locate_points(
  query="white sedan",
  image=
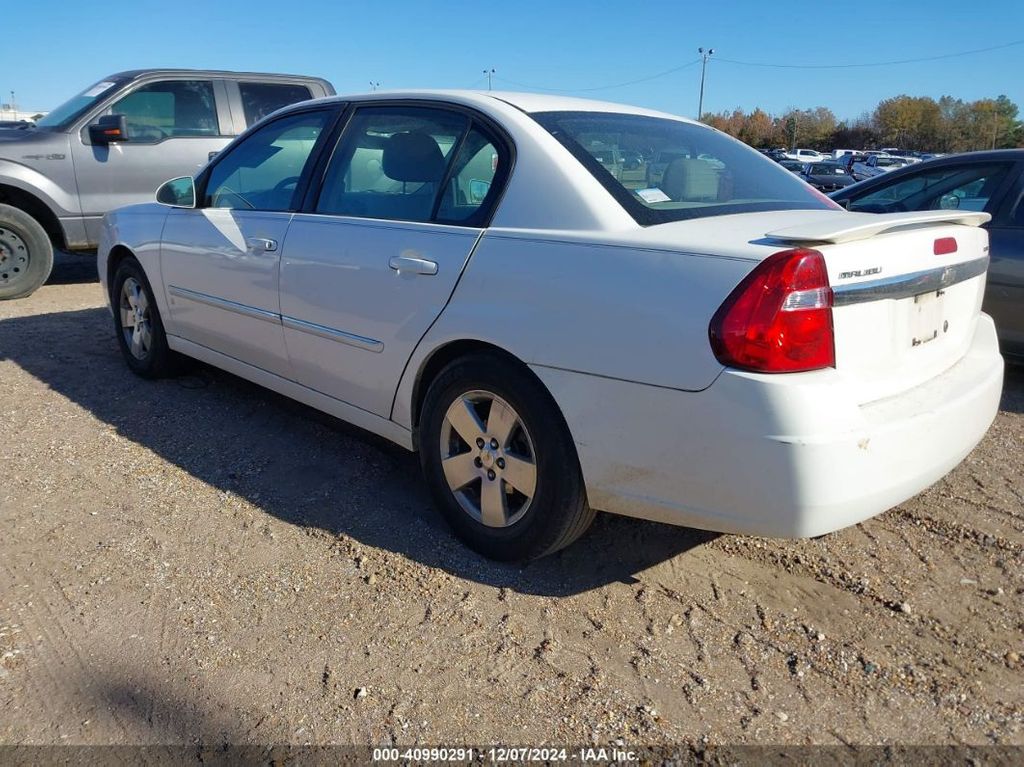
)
(470, 276)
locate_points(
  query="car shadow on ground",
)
(73, 268)
(302, 466)
(1013, 388)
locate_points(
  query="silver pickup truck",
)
(113, 144)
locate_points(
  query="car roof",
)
(984, 154)
(531, 103)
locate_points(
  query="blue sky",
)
(52, 50)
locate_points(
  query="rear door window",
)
(262, 99)
(169, 109)
(473, 182)
(392, 163)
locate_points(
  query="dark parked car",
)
(793, 166)
(826, 176)
(992, 182)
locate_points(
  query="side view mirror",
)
(109, 129)
(178, 192)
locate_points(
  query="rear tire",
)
(26, 254)
(137, 324)
(499, 459)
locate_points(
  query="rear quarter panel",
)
(620, 312)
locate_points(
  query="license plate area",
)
(927, 317)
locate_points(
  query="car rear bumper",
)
(784, 455)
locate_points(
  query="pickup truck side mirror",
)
(178, 192)
(109, 129)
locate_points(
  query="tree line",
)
(907, 122)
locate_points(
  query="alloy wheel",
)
(488, 458)
(136, 322)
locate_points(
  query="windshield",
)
(683, 170)
(827, 170)
(73, 108)
(884, 162)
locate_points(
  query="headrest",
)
(412, 157)
(690, 179)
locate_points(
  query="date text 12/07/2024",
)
(502, 754)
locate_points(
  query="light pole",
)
(490, 74)
(704, 56)
(374, 85)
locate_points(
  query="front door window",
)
(263, 171)
(169, 109)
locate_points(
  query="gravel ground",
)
(199, 560)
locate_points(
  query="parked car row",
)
(562, 306)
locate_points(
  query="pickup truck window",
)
(169, 109)
(261, 99)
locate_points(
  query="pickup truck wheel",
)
(26, 254)
(499, 460)
(137, 323)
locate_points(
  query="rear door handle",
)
(262, 243)
(412, 265)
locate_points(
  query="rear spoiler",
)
(861, 226)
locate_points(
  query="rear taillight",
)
(779, 318)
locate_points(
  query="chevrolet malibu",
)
(467, 275)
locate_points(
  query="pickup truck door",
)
(220, 261)
(174, 125)
(373, 259)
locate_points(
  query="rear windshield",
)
(663, 170)
(73, 108)
(827, 170)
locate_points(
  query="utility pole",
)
(704, 56)
(490, 74)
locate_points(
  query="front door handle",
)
(262, 243)
(412, 265)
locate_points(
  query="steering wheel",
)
(146, 133)
(283, 183)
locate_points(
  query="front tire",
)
(499, 460)
(137, 323)
(26, 254)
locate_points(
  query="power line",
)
(767, 64)
(600, 87)
(872, 64)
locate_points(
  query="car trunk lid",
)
(907, 292)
